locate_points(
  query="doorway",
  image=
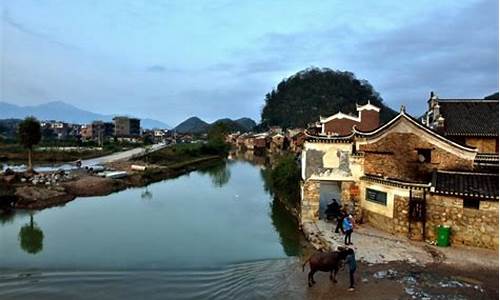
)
(328, 190)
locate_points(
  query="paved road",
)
(124, 155)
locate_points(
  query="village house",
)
(341, 124)
(60, 130)
(97, 131)
(403, 178)
(471, 122)
(126, 127)
(277, 143)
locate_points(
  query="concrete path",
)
(374, 246)
(124, 155)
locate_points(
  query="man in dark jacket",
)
(350, 261)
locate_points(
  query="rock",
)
(380, 274)
(23, 179)
(10, 178)
(8, 172)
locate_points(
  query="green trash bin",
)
(443, 235)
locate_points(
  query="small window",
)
(471, 203)
(376, 196)
(424, 155)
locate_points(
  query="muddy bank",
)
(400, 280)
(81, 184)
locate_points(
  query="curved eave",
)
(389, 124)
(331, 139)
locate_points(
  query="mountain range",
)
(61, 111)
(197, 125)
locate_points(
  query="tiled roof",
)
(466, 184)
(469, 117)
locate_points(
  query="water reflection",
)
(219, 173)
(146, 194)
(31, 237)
(287, 228)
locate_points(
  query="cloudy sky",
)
(169, 60)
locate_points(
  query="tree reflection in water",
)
(283, 221)
(31, 237)
(219, 173)
(146, 195)
(287, 228)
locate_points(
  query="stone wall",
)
(350, 195)
(471, 227)
(310, 201)
(378, 221)
(393, 158)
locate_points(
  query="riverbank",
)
(15, 153)
(82, 183)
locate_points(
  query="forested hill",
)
(303, 97)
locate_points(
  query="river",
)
(214, 233)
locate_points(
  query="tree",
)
(29, 135)
(217, 139)
(311, 93)
(31, 237)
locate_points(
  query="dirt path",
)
(398, 280)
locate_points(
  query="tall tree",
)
(29, 135)
(311, 93)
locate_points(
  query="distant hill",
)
(304, 97)
(493, 96)
(247, 123)
(192, 125)
(61, 111)
(196, 125)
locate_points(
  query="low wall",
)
(470, 227)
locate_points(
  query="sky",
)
(170, 60)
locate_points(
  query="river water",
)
(214, 233)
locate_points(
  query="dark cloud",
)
(454, 52)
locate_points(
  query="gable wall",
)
(395, 156)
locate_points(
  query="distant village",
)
(121, 129)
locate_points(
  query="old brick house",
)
(403, 178)
(341, 124)
(471, 122)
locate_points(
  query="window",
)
(424, 155)
(471, 203)
(376, 196)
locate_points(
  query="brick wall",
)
(369, 120)
(395, 156)
(340, 126)
(483, 145)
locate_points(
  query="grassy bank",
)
(178, 154)
(15, 152)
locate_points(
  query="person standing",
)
(351, 262)
(348, 227)
(340, 219)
